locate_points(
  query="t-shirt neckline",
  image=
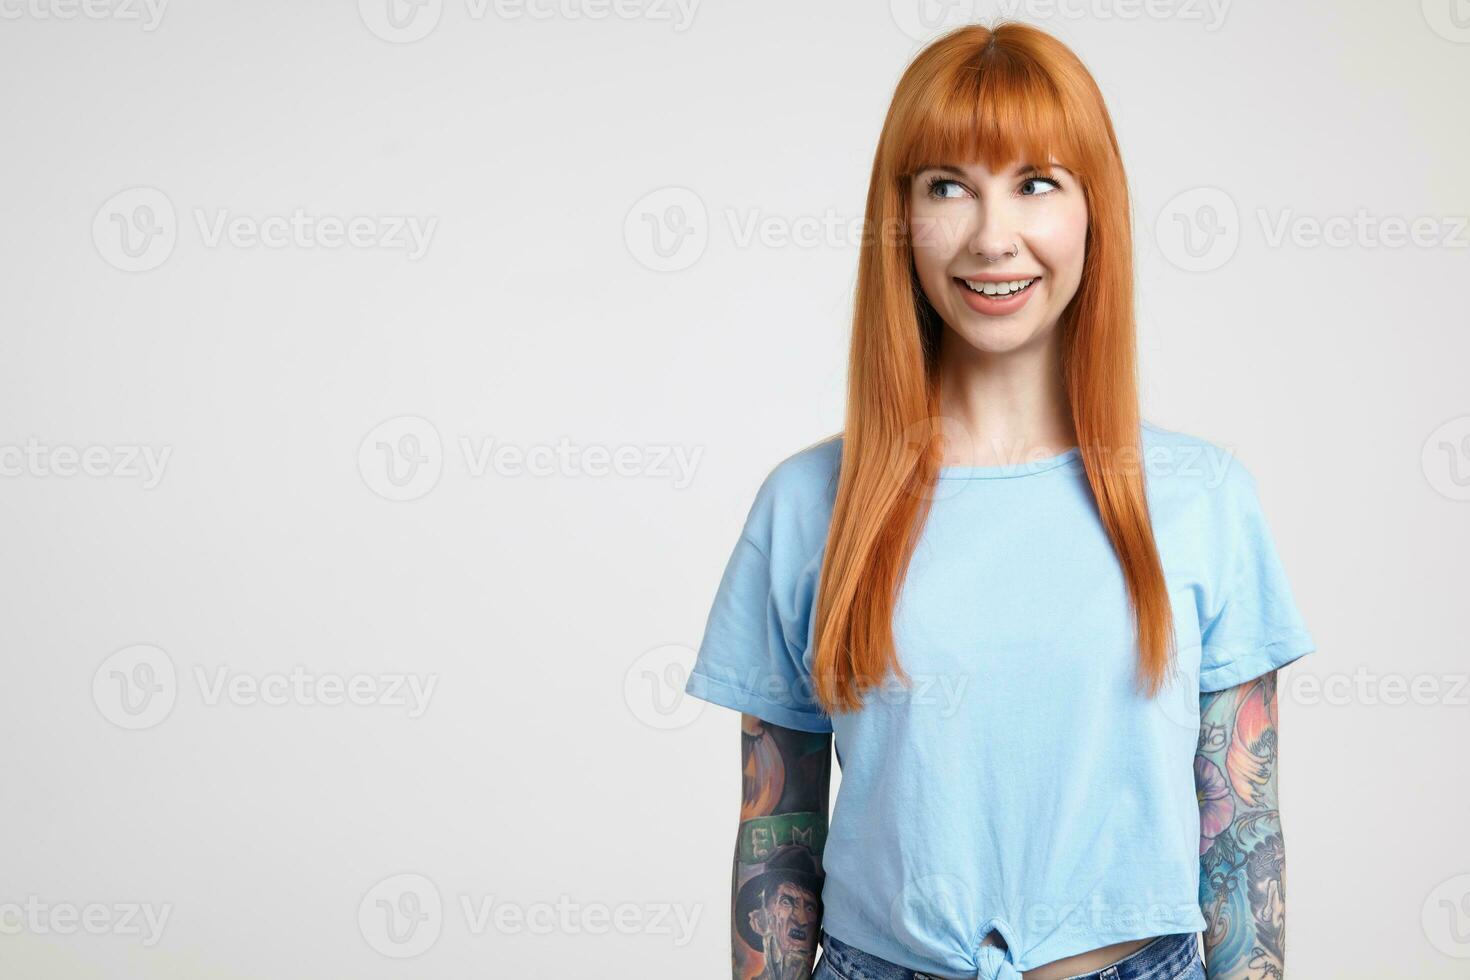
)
(1010, 470)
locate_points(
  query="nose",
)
(995, 234)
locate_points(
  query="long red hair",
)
(997, 95)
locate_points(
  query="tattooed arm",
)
(776, 894)
(1242, 855)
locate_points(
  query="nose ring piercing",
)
(1015, 250)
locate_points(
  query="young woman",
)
(1044, 632)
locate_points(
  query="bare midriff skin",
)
(1088, 962)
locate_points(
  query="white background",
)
(555, 612)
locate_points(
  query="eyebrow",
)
(1021, 171)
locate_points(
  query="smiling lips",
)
(995, 296)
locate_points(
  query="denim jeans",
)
(1172, 957)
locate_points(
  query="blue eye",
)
(936, 182)
(1055, 185)
(944, 187)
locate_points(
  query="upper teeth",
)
(999, 288)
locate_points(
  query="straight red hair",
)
(997, 95)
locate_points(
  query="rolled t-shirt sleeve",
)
(1254, 625)
(752, 655)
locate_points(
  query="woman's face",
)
(1031, 222)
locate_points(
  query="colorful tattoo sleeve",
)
(776, 897)
(1242, 853)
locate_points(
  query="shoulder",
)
(793, 506)
(1200, 492)
(1181, 463)
(807, 474)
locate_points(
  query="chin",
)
(996, 338)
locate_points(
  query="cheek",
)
(935, 238)
(934, 243)
(1060, 242)
(938, 230)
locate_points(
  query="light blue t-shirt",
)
(1019, 784)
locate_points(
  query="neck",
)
(1001, 408)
